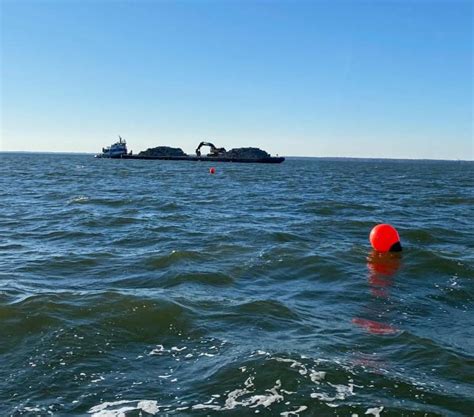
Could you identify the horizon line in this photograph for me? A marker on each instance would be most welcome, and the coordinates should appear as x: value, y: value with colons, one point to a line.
x: 285, y: 156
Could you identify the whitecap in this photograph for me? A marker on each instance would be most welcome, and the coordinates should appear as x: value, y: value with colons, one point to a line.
x: 295, y: 413
x: 79, y: 199
x: 119, y: 408
x: 177, y: 349
x: 375, y: 411
x: 158, y: 350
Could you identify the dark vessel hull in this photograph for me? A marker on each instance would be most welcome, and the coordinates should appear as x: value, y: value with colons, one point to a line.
x: 269, y: 160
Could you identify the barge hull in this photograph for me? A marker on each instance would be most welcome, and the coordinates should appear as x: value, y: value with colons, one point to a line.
x: 270, y: 160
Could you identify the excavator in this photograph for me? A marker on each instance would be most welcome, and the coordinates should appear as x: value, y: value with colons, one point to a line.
x: 213, y: 151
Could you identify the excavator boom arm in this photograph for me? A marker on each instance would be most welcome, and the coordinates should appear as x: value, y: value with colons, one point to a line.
x: 213, y: 150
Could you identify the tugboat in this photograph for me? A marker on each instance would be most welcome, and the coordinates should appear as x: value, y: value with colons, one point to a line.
x: 117, y: 150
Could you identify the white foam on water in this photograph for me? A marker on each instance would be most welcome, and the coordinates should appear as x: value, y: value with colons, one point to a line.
x: 284, y: 391
x: 294, y: 364
x: 177, y: 349
x: 249, y: 382
x: 148, y: 406
x: 375, y: 411
x: 322, y: 396
x: 295, y: 413
x: 328, y: 392
x: 239, y: 397
x: 79, y: 199
x: 292, y: 361
x: 206, y: 406
x: 266, y: 400
x: 120, y: 408
x: 186, y: 352
x: 317, y: 376
x: 343, y: 391
x: 159, y: 350
x: 245, y: 396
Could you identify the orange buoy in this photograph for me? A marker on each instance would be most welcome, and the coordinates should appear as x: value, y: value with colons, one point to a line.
x: 385, y: 238
x: 212, y: 170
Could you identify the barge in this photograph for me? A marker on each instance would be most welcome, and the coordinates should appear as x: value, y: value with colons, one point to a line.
x: 242, y: 155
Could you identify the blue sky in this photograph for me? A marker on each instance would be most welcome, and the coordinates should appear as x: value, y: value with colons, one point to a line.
x: 311, y: 78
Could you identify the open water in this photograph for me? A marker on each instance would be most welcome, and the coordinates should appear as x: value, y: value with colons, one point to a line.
x: 137, y: 288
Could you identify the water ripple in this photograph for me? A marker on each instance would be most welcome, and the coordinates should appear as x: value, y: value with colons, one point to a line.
x: 152, y: 288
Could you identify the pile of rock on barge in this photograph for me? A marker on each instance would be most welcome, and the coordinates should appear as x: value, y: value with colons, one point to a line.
x: 250, y: 155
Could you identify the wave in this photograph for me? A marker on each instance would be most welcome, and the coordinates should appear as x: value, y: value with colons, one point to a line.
x: 285, y: 384
x: 174, y: 257
x: 205, y: 278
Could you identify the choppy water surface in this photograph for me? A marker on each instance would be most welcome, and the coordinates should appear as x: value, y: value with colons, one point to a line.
x: 154, y: 288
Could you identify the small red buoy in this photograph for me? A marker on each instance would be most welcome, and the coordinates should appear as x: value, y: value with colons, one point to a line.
x: 385, y: 238
x: 212, y: 170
